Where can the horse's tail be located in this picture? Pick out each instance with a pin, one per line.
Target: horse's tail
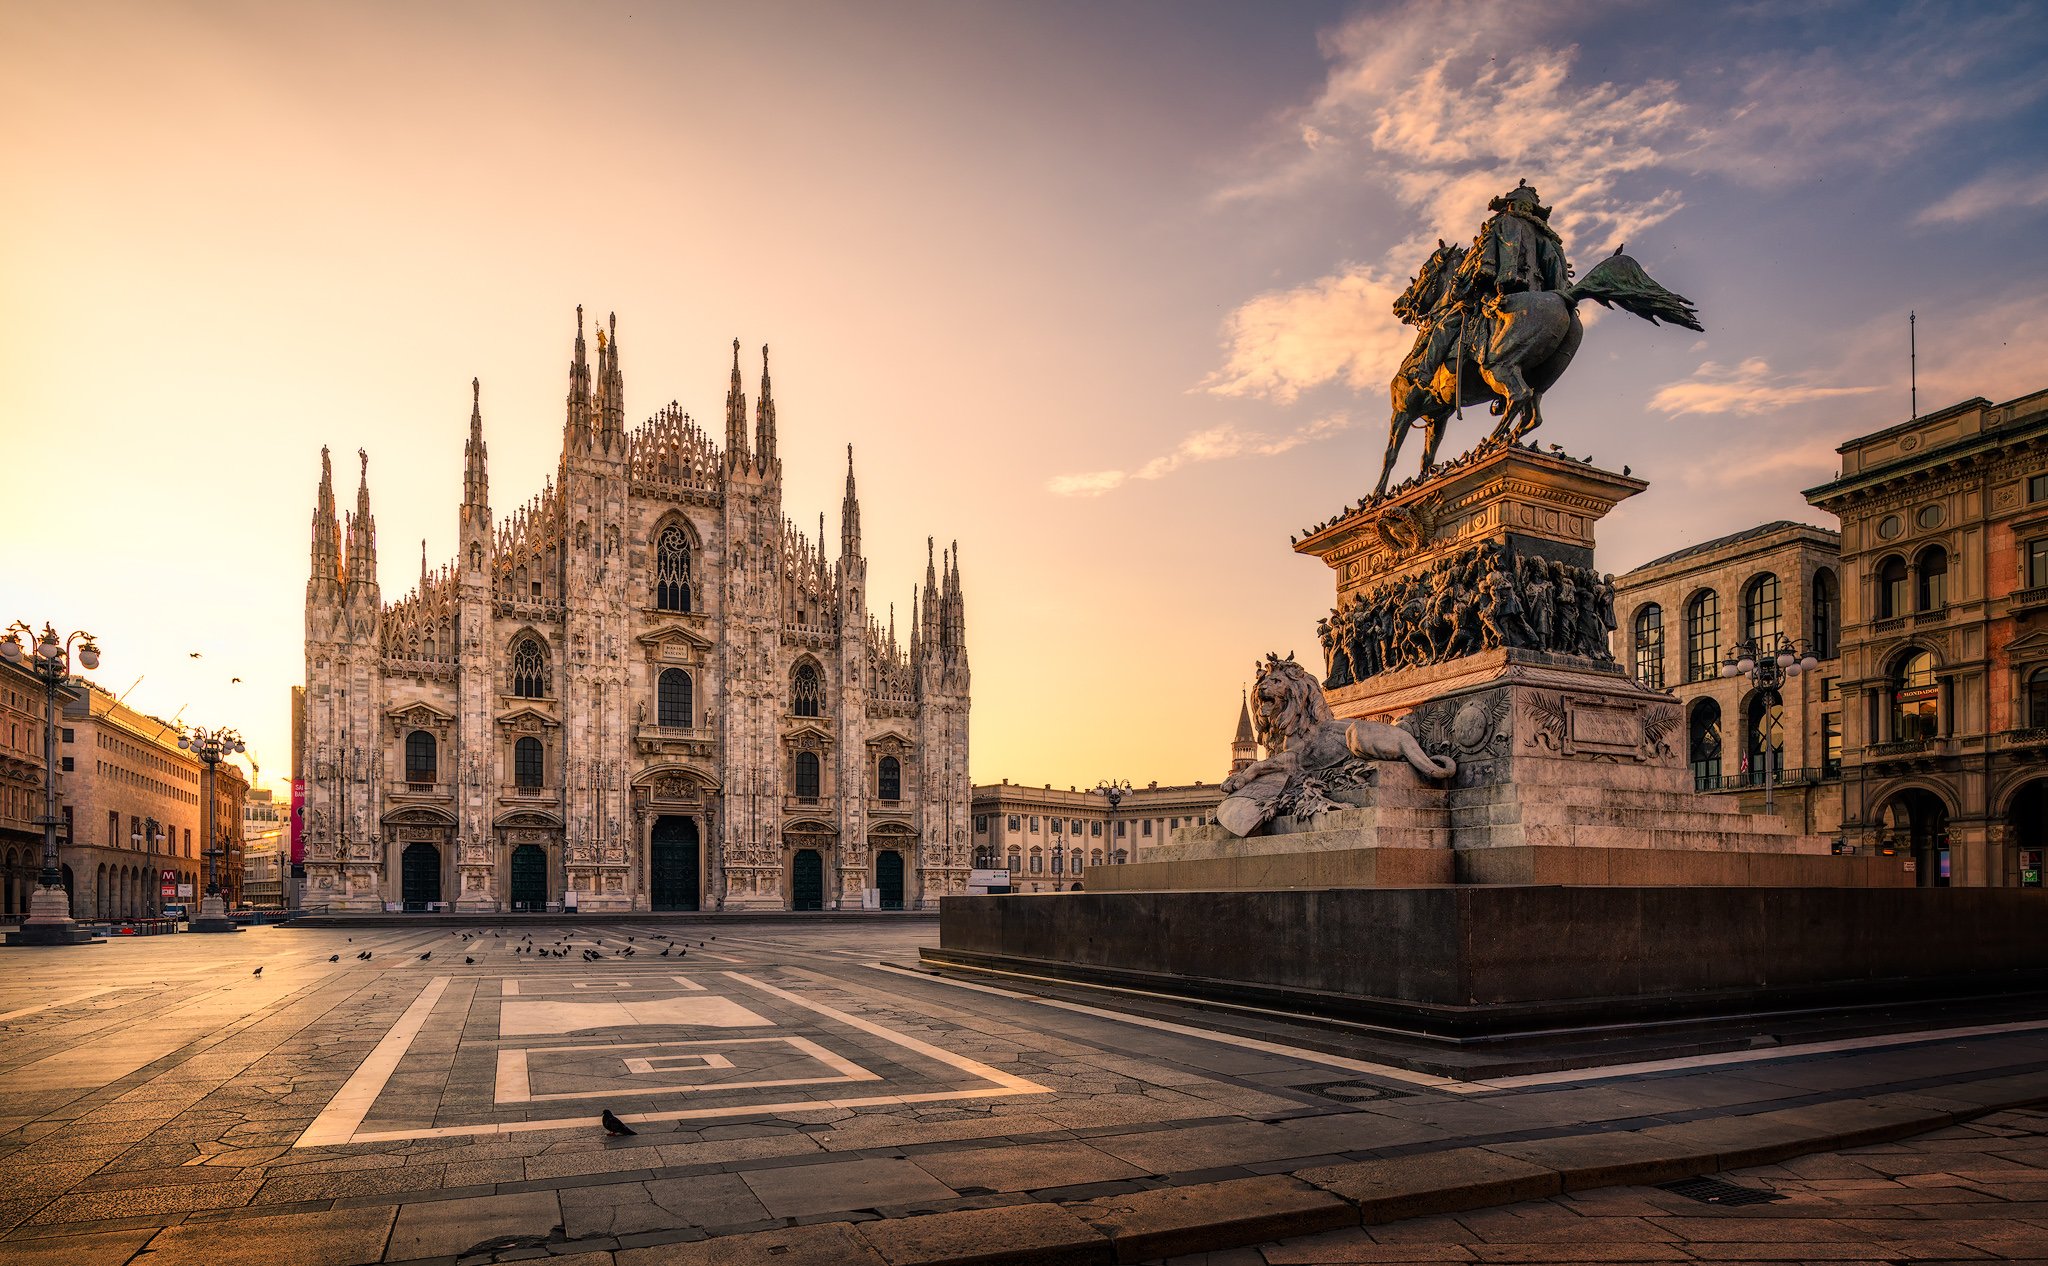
(1619, 281)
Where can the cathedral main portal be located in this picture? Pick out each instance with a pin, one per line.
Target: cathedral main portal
(675, 870)
(529, 878)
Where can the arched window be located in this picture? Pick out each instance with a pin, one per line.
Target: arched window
(1703, 742)
(807, 775)
(1933, 595)
(526, 764)
(672, 698)
(1649, 631)
(1016, 861)
(1703, 636)
(1826, 613)
(1916, 699)
(1763, 620)
(420, 757)
(1891, 588)
(529, 669)
(807, 691)
(889, 779)
(2037, 700)
(1765, 732)
(672, 569)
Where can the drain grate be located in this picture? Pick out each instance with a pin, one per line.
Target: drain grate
(1352, 1091)
(1714, 1191)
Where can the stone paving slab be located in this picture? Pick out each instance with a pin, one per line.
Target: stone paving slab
(1189, 1133)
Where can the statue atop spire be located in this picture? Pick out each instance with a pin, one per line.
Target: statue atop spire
(764, 418)
(849, 514)
(736, 414)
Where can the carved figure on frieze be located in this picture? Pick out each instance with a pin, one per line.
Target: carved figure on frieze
(1538, 604)
(1316, 762)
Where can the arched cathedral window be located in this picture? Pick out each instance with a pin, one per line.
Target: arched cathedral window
(672, 698)
(420, 757)
(529, 669)
(672, 570)
(807, 691)
(807, 775)
(889, 779)
(527, 764)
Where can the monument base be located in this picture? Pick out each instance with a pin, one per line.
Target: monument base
(213, 916)
(1471, 962)
(49, 921)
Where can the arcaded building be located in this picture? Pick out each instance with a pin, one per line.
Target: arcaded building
(1677, 618)
(645, 689)
(1945, 641)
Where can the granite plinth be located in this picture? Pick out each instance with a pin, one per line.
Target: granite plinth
(1469, 961)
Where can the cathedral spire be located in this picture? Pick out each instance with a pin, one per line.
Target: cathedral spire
(764, 418)
(361, 570)
(849, 514)
(326, 573)
(476, 479)
(1244, 745)
(611, 419)
(736, 414)
(576, 427)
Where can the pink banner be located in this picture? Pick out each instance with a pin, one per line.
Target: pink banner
(298, 820)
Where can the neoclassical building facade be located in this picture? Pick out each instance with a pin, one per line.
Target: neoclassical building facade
(645, 689)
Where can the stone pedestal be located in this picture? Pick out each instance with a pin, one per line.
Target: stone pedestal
(213, 915)
(49, 921)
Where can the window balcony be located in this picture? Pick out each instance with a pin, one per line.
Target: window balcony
(2034, 599)
(2033, 738)
(1754, 779)
(1900, 747)
(1892, 625)
(411, 790)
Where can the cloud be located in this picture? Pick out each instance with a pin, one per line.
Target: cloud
(1744, 390)
(1412, 105)
(1796, 114)
(1217, 443)
(1338, 327)
(1994, 194)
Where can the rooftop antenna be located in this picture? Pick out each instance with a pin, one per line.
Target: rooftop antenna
(1913, 358)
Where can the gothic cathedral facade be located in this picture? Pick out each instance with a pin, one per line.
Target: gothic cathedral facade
(646, 689)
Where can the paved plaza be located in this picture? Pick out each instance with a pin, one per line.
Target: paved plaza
(801, 1094)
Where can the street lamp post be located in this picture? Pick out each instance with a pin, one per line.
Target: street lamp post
(1114, 790)
(211, 747)
(49, 910)
(1769, 670)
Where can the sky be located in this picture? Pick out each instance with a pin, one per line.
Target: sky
(1098, 291)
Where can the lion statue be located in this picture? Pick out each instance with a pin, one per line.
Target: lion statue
(1317, 762)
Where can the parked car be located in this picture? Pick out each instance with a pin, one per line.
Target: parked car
(176, 912)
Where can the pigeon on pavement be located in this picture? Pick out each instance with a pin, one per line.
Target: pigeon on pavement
(334, 958)
(257, 972)
(615, 1127)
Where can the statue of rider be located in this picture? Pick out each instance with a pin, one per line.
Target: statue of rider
(1516, 251)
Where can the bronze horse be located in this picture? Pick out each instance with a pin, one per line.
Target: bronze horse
(1514, 347)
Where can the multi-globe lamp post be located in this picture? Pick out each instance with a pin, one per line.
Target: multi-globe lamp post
(1114, 790)
(211, 747)
(1769, 670)
(49, 658)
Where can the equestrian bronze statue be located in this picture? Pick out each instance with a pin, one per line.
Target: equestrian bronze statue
(1497, 322)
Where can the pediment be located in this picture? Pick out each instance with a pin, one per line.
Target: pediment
(677, 782)
(529, 719)
(419, 712)
(2033, 646)
(891, 738)
(419, 815)
(675, 644)
(527, 818)
(808, 732)
(809, 826)
(891, 830)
